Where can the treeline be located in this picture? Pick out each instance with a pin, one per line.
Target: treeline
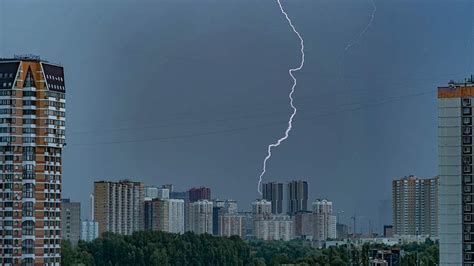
(159, 248)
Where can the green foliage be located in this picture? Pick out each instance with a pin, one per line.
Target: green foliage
(159, 248)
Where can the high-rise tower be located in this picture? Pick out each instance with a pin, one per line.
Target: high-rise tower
(415, 206)
(119, 206)
(32, 127)
(456, 221)
(273, 192)
(297, 196)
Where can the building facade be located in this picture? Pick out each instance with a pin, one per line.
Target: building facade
(89, 230)
(231, 224)
(70, 221)
(32, 136)
(164, 215)
(415, 206)
(304, 225)
(199, 217)
(273, 192)
(261, 208)
(157, 215)
(456, 223)
(325, 221)
(201, 193)
(297, 196)
(274, 227)
(119, 206)
(156, 192)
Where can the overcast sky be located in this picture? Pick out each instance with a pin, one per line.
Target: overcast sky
(191, 92)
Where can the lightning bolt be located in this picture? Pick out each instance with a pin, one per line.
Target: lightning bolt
(362, 33)
(290, 96)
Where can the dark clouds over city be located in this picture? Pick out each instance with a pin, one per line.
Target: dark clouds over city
(192, 92)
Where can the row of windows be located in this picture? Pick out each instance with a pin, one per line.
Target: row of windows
(56, 87)
(57, 78)
(6, 75)
(7, 101)
(55, 113)
(7, 130)
(8, 139)
(54, 140)
(55, 122)
(57, 104)
(30, 130)
(54, 94)
(5, 84)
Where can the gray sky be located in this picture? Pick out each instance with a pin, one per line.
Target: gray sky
(192, 92)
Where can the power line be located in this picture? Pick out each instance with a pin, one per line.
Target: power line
(235, 130)
(261, 106)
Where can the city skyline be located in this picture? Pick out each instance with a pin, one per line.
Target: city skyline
(361, 149)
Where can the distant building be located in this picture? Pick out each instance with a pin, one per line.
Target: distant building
(268, 226)
(176, 215)
(297, 196)
(221, 208)
(325, 220)
(342, 231)
(217, 211)
(156, 193)
(261, 208)
(248, 224)
(384, 257)
(164, 215)
(184, 195)
(71, 221)
(388, 231)
(304, 225)
(151, 193)
(273, 192)
(231, 224)
(157, 215)
(415, 206)
(170, 187)
(197, 194)
(119, 206)
(199, 217)
(89, 230)
(274, 227)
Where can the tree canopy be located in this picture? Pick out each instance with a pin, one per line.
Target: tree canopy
(160, 248)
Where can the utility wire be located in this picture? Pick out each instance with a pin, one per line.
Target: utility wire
(236, 130)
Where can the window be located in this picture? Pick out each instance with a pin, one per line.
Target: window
(28, 190)
(467, 189)
(467, 121)
(467, 130)
(466, 102)
(468, 257)
(467, 150)
(467, 140)
(28, 228)
(467, 198)
(28, 209)
(467, 179)
(467, 159)
(468, 208)
(28, 246)
(467, 169)
(466, 110)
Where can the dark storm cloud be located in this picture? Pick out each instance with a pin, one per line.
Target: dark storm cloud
(177, 70)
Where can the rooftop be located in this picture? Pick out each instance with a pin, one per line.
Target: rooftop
(467, 82)
(23, 57)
